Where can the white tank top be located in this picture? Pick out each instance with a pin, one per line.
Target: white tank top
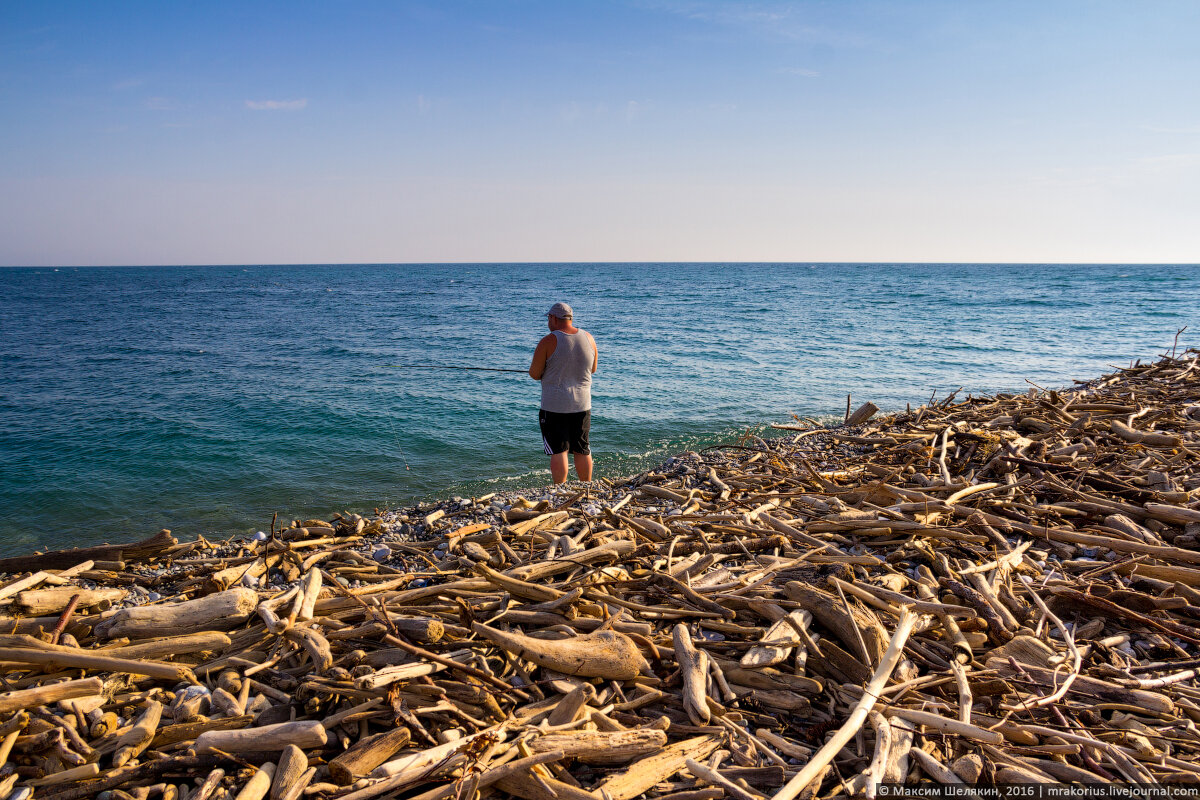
(567, 381)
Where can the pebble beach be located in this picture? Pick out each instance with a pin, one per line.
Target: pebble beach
(995, 589)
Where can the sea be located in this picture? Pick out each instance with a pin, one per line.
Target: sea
(209, 399)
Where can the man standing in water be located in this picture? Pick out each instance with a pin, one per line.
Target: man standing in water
(564, 362)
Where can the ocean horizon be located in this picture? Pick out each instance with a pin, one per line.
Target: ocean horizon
(206, 399)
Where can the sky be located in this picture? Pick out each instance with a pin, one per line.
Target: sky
(363, 131)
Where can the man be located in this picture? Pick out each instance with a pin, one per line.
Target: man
(564, 362)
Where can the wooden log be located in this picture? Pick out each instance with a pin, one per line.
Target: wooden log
(1141, 437)
(259, 784)
(58, 559)
(946, 725)
(80, 773)
(83, 659)
(170, 646)
(219, 611)
(395, 674)
(311, 590)
(861, 414)
(50, 693)
(604, 654)
(288, 770)
(542, 787)
(1093, 687)
(518, 587)
(778, 642)
(854, 626)
(693, 666)
(367, 754)
(601, 747)
(411, 767)
(646, 772)
(135, 740)
(51, 601)
(266, 738)
(226, 578)
(187, 731)
(709, 775)
(1176, 515)
(21, 584)
(608, 551)
(485, 779)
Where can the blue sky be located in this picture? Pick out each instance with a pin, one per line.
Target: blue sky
(522, 130)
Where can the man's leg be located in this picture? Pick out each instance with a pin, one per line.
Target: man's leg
(558, 467)
(583, 466)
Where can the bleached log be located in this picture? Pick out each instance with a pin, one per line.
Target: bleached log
(219, 611)
(138, 738)
(602, 747)
(52, 693)
(84, 659)
(854, 625)
(778, 642)
(266, 738)
(21, 584)
(310, 591)
(187, 731)
(291, 765)
(693, 666)
(444, 792)
(259, 784)
(1142, 437)
(82, 772)
(643, 774)
(605, 654)
(1176, 515)
(170, 646)
(316, 645)
(39, 602)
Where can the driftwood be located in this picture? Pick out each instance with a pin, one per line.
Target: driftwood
(50, 693)
(1000, 588)
(606, 654)
(358, 761)
(135, 551)
(215, 612)
(267, 737)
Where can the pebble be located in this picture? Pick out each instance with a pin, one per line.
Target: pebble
(191, 692)
(382, 553)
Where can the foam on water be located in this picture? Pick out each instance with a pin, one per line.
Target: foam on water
(204, 399)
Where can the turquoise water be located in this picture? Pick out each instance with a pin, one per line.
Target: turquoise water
(204, 399)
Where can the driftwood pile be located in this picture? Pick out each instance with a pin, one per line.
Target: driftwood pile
(1006, 589)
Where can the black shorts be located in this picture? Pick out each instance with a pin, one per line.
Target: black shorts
(563, 432)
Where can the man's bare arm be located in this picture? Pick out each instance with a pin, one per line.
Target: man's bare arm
(537, 367)
(595, 355)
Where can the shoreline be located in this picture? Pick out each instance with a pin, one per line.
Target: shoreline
(998, 589)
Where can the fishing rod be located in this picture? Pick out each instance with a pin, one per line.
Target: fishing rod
(439, 366)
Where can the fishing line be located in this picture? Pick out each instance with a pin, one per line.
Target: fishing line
(439, 366)
(399, 449)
